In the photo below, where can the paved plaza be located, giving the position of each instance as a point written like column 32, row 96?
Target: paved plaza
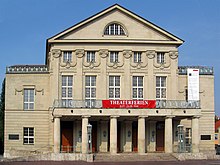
column 195, row 162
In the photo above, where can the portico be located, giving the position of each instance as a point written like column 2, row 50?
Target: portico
column 116, row 133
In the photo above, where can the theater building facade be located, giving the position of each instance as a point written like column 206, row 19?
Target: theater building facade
column 110, row 84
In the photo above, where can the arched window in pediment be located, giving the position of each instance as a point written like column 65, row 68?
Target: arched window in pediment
column 114, row 29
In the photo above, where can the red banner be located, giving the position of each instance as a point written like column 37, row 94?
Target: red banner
column 128, row 104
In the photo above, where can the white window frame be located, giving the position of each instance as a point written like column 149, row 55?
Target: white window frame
column 160, row 57
column 67, row 90
column 90, row 56
column 138, row 86
column 29, row 96
column 67, row 56
column 90, row 91
column 114, row 29
column 114, row 57
column 160, row 87
column 137, row 57
column 114, row 87
column 28, row 136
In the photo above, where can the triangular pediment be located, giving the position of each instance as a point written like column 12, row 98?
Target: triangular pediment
column 136, row 27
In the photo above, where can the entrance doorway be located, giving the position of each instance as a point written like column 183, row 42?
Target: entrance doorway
column 67, row 136
column 134, row 136
column 118, row 136
column 94, row 136
column 160, row 136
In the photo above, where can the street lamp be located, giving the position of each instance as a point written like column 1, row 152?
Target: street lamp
column 89, row 130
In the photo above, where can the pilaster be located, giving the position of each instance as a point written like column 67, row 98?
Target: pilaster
column 113, row 134
column 195, row 134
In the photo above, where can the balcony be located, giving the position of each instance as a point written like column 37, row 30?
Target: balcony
column 94, row 104
column 24, row 69
column 203, row 70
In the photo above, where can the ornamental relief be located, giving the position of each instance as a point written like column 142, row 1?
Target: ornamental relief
column 127, row 53
column 80, row 53
column 117, row 64
column 165, row 64
column 93, row 63
column 140, row 64
column 173, row 55
column 56, row 53
column 151, row 54
column 103, row 53
column 69, row 64
column 36, row 90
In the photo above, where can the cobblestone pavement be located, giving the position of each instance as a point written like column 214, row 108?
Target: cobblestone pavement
column 198, row 162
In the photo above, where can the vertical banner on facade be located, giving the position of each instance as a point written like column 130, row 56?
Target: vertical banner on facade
column 193, row 84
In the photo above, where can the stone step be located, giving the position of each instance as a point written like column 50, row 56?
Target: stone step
column 133, row 157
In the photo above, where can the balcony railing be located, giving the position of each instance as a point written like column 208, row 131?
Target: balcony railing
column 203, row 70
column 160, row 104
column 27, row 69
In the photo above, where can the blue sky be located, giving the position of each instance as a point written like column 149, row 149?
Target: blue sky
column 26, row 24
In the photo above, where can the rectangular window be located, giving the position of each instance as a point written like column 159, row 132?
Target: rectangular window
column 114, row 87
column 28, row 133
column 160, row 58
column 90, row 56
column 113, row 57
column 137, row 86
column 67, row 56
column 28, row 99
column 137, row 57
column 90, row 91
column 160, row 88
column 67, row 90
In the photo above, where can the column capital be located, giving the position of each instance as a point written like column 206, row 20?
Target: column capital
column 57, row 116
column 145, row 116
column 86, row 116
column 169, row 116
column 196, row 116
column 114, row 116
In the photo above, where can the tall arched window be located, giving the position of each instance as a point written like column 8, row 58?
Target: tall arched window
column 114, row 29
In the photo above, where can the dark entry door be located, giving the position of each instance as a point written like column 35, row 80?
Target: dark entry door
column 134, row 136
column 67, row 136
column 94, row 136
column 118, row 136
column 160, row 136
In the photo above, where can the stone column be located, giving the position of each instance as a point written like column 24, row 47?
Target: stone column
column 56, row 134
column 195, row 134
column 85, row 122
column 141, row 134
column 168, row 134
column 113, row 134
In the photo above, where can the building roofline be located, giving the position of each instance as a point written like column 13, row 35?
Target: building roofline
column 101, row 13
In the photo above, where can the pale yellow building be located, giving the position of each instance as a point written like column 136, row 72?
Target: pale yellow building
column 119, row 73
